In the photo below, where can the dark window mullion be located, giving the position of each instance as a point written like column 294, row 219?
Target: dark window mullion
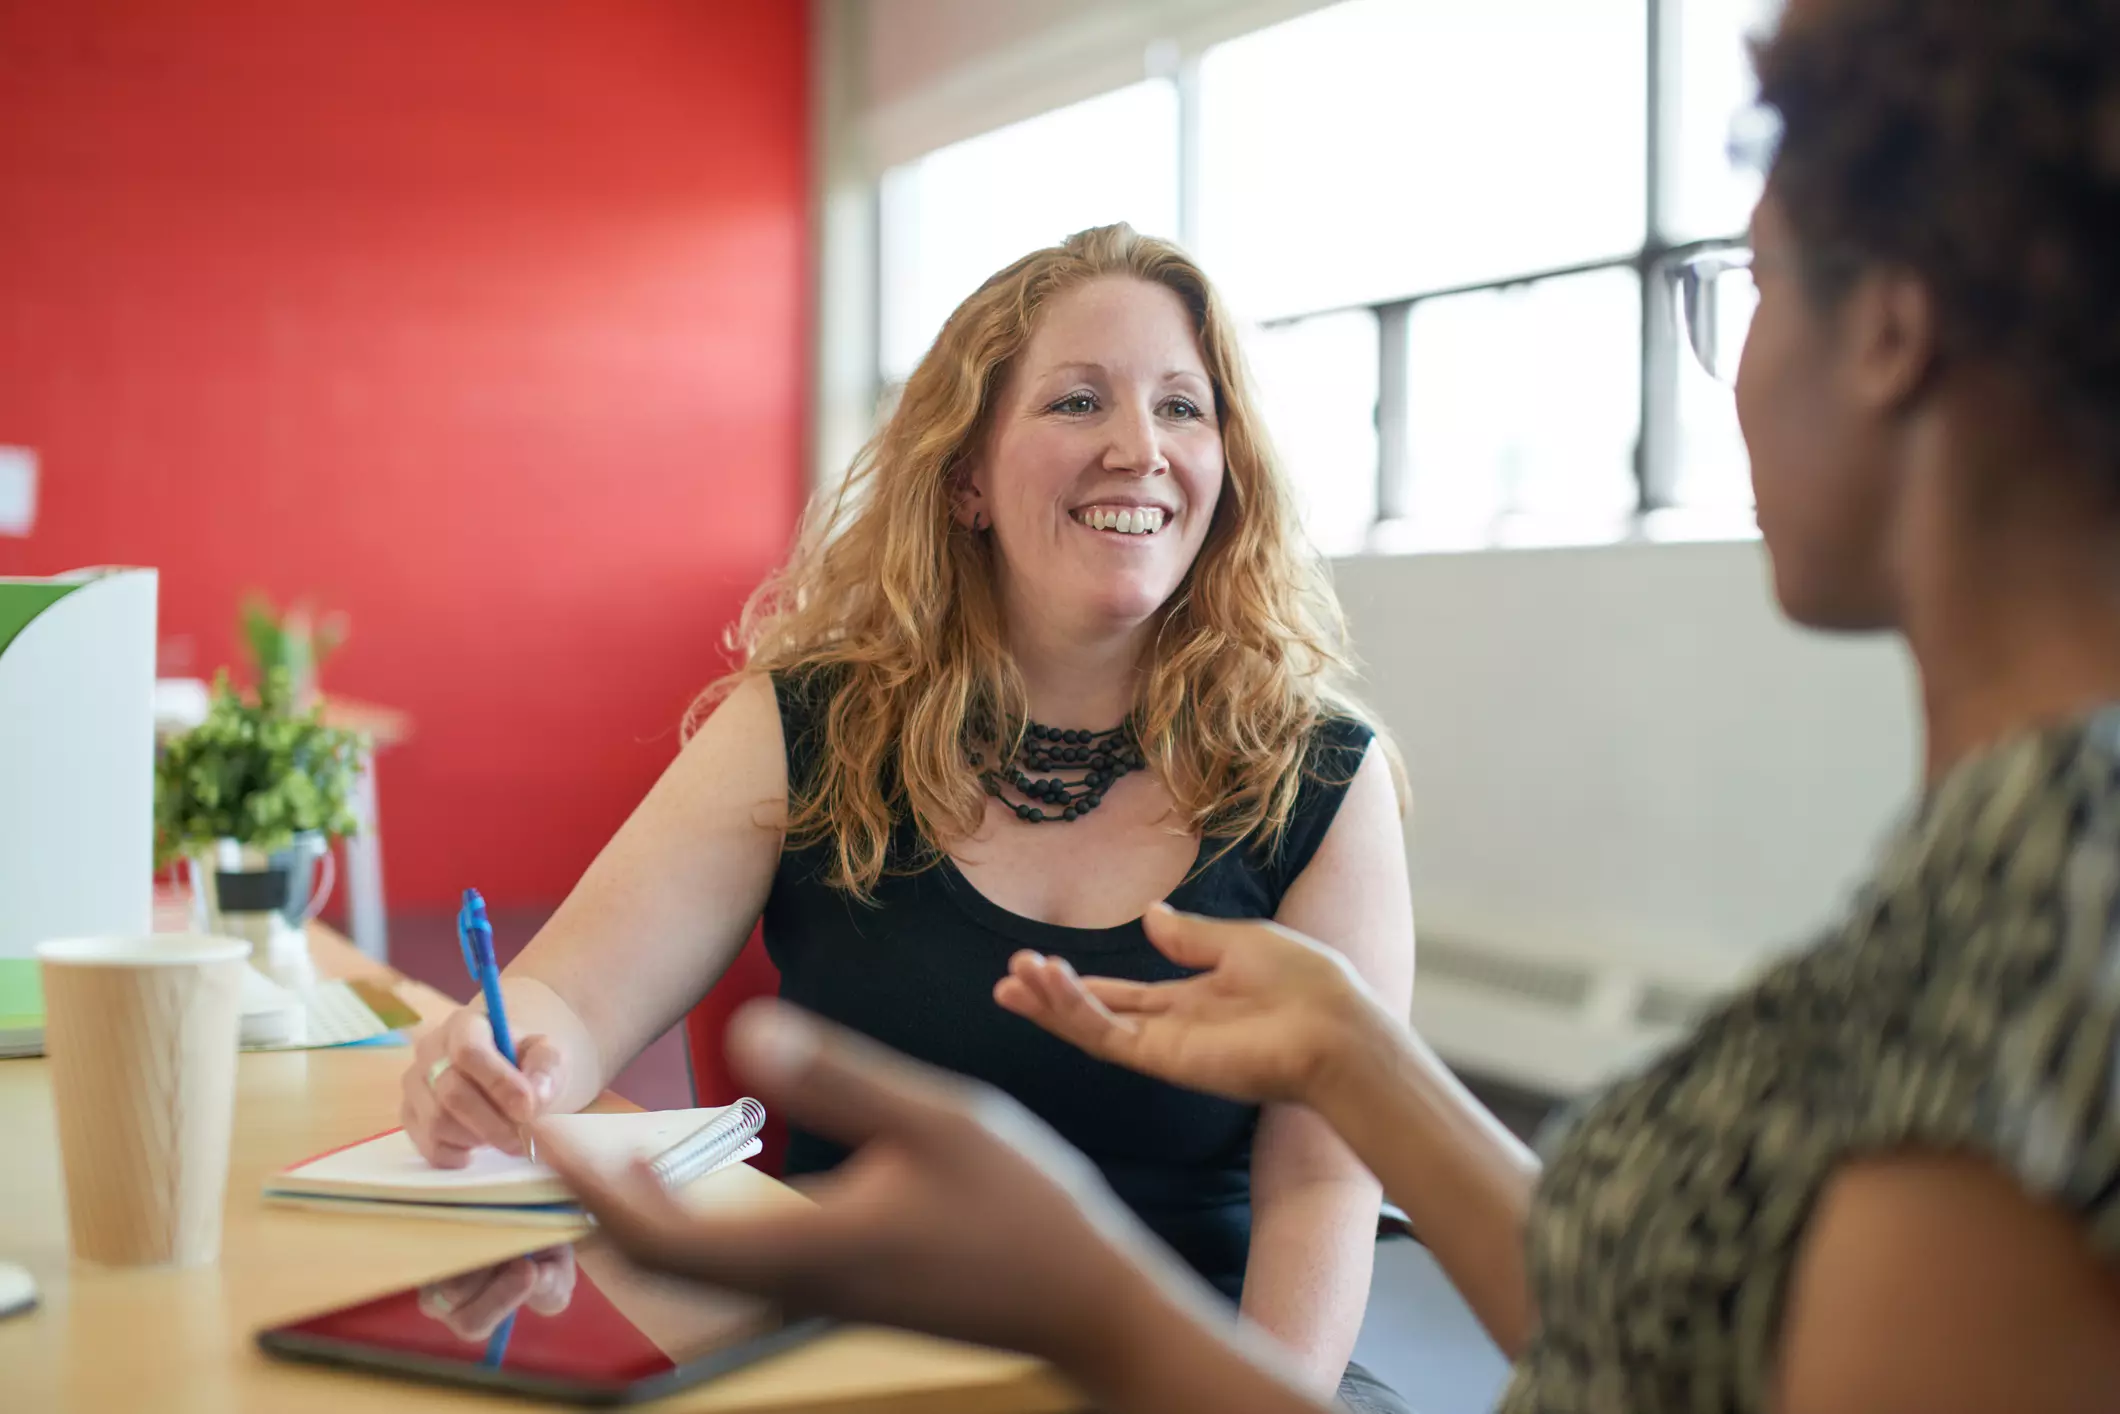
column 1187, row 82
column 1471, row 287
column 1656, row 447
column 1394, row 413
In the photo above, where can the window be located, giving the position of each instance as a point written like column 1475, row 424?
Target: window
column 1378, row 148
column 1706, row 194
column 1711, row 470
column 955, row 216
column 1522, row 408
column 1453, row 226
column 1709, row 195
column 1317, row 382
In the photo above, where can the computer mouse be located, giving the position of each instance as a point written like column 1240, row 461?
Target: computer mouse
column 18, row 1289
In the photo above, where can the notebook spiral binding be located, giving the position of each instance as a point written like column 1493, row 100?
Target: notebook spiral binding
column 711, row 1144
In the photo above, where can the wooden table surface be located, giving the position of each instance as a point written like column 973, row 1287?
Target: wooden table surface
column 181, row 1340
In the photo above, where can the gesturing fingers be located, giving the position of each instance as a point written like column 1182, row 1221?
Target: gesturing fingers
column 1049, row 992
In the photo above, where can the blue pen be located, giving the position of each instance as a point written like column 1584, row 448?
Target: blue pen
column 497, row 1343
column 476, row 936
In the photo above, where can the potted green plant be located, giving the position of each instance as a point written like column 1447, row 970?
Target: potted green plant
column 249, row 800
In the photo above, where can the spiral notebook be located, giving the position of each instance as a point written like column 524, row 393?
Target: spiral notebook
column 385, row 1174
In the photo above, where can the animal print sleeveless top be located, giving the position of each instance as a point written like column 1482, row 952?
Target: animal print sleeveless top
column 1969, row 1002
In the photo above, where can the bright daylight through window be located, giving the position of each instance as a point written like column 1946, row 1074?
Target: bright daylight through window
column 1452, row 229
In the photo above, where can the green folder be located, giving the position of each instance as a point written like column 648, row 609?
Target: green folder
column 21, row 1008
column 23, row 599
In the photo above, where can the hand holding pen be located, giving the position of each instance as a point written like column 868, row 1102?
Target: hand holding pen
column 472, row 1083
column 475, row 935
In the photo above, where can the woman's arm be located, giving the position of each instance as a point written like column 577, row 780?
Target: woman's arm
column 959, row 1214
column 654, row 922
column 1273, row 1016
column 1461, row 1176
column 1935, row 1284
column 662, row 911
column 1314, row 1205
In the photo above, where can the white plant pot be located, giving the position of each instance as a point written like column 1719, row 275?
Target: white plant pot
column 239, row 891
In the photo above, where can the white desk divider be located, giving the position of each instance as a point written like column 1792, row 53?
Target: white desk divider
column 77, row 743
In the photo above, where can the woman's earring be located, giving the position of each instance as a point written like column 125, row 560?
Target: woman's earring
column 980, row 525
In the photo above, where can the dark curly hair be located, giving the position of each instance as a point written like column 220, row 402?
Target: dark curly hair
column 1975, row 143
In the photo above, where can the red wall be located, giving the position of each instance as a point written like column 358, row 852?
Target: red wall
column 481, row 320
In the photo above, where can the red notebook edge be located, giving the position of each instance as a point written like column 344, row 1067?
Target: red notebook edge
column 340, row 1149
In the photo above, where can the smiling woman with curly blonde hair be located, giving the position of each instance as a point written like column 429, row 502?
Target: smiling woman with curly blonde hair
column 894, row 589
column 1056, row 651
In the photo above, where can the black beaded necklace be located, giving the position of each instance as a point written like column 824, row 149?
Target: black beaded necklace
column 1074, row 769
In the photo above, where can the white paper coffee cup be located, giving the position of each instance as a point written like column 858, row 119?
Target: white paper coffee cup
column 141, row 1036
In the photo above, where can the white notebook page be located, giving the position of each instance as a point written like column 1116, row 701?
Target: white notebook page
column 392, row 1162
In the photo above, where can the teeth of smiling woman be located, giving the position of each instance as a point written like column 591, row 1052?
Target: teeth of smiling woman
column 1143, row 520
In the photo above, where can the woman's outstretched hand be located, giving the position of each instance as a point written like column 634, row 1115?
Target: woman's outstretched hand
column 1269, row 1016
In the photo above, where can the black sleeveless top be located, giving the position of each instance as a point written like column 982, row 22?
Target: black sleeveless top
column 915, row 969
